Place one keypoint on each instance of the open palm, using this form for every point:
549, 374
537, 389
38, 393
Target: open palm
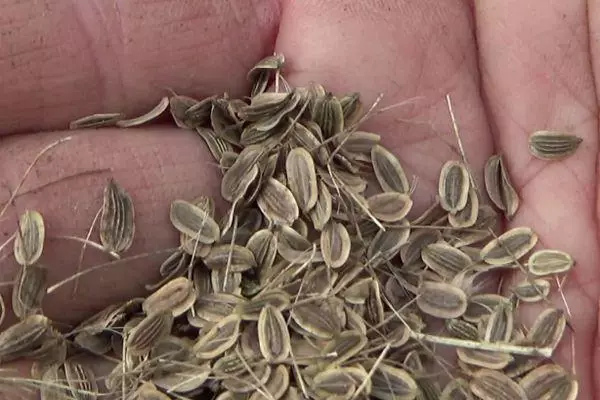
511, 67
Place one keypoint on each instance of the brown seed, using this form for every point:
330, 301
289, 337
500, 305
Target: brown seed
547, 262
96, 121
177, 296
29, 239
532, 291
194, 222
392, 383
302, 178
441, 300
218, 338
23, 337
494, 385
550, 382
81, 380
499, 186
154, 113
273, 335
388, 171
151, 330
553, 145
548, 328
389, 206
335, 244
231, 257
453, 186
510, 246
277, 203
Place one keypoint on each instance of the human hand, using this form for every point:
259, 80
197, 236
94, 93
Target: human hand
509, 67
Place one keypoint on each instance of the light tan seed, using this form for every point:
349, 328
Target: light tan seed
151, 115
499, 186
277, 203
293, 247
117, 222
250, 310
81, 380
261, 72
418, 240
182, 378
244, 171
548, 328
532, 291
96, 121
220, 149
547, 262
453, 188
333, 383
358, 142
481, 305
194, 222
216, 306
388, 171
249, 380
553, 145
391, 383
484, 359
335, 244
263, 244
177, 295
23, 337
273, 335
549, 382
445, 260
461, 329
494, 385
389, 206
328, 113
441, 300
218, 338
321, 212
510, 246
302, 178
29, 239
150, 331
500, 324
387, 244
276, 386
319, 318
352, 107
232, 257
28, 290
345, 346
358, 292
456, 389
466, 217
224, 281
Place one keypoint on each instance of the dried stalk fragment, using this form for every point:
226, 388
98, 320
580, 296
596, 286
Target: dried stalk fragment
194, 222
389, 172
548, 262
553, 145
277, 203
151, 330
28, 290
117, 225
548, 328
273, 335
441, 300
532, 291
494, 385
499, 186
96, 121
154, 113
510, 246
335, 244
29, 239
218, 339
302, 178
550, 382
177, 295
389, 206
453, 188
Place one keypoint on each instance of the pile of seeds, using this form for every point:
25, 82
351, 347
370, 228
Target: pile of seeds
315, 283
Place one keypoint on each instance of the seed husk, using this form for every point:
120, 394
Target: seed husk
177, 295
277, 203
218, 338
389, 206
117, 222
100, 120
231, 257
499, 186
466, 217
28, 290
553, 145
547, 329
444, 259
550, 382
302, 178
150, 331
273, 335
454, 186
532, 291
194, 222
388, 171
494, 385
441, 300
149, 116
335, 244
276, 386
484, 359
547, 262
29, 240
510, 246
391, 383
81, 380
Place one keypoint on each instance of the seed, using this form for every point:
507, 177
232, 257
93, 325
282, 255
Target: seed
358, 292
177, 296
418, 240
547, 329
151, 330
117, 226
29, 240
389, 206
261, 72
335, 244
510, 246
81, 381
456, 389
277, 203
154, 113
481, 305
461, 329
251, 309
550, 382
388, 171
302, 178
319, 318
321, 212
441, 300
386, 244
553, 145
220, 149
273, 335
96, 121
500, 324
249, 380
392, 383
226, 281
531, 292
230, 257
293, 247
453, 186
444, 259
276, 386
328, 113
194, 222
484, 359
547, 262
466, 217
23, 337
334, 383
182, 378
494, 385
345, 346
218, 338
499, 186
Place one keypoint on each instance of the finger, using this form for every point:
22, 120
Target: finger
412, 53
61, 60
155, 166
536, 75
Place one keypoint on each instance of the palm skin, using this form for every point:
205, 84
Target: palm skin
511, 67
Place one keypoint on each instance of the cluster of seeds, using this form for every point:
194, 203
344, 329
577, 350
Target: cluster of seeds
315, 283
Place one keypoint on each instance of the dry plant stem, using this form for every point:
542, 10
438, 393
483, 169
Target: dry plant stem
108, 264
28, 170
81, 254
87, 242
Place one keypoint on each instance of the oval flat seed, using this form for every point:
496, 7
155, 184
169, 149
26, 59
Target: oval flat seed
553, 145
117, 225
547, 262
156, 111
359, 141
461, 329
510, 246
484, 359
392, 383
233, 257
216, 306
333, 383
550, 382
321, 212
194, 222
151, 330
318, 318
386, 244
548, 328
457, 389
466, 217
531, 292
494, 385
499, 186
250, 310
388, 171
302, 178
273, 335
481, 305
238, 178
441, 300
389, 206
345, 346
500, 324
96, 121
277, 203
328, 113
335, 244
276, 386
218, 339
29, 239
263, 244
23, 337
177, 296
293, 247
453, 187
28, 291
444, 259
81, 381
